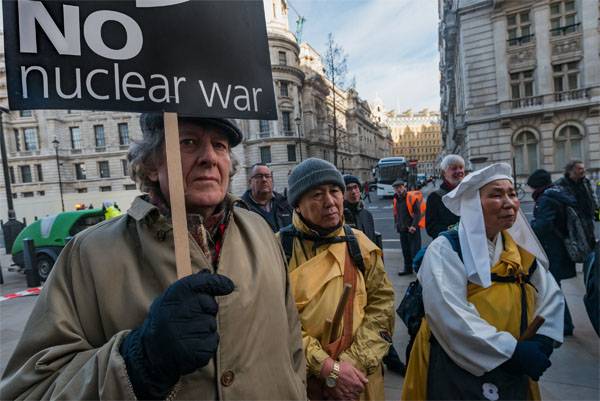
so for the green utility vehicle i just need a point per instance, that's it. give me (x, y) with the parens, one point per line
(50, 234)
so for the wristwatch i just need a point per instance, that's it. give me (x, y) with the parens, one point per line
(331, 380)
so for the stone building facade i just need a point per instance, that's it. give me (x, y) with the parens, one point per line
(417, 136)
(520, 81)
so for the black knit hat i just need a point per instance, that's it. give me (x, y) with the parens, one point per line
(539, 178)
(150, 122)
(352, 179)
(309, 174)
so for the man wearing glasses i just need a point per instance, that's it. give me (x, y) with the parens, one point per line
(261, 199)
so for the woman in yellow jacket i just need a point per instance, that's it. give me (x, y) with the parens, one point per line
(482, 288)
(349, 368)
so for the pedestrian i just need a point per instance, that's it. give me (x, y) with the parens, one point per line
(437, 216)
(406, 225)
(110, 210)
(114, 322)
(550, 225)
(356, 216)
(344, 360)
(367, 191)
(262, 199)
(483, 285)
(575, 182)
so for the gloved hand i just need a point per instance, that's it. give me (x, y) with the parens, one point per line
(178, 336)
(546, 343)
(529, 359)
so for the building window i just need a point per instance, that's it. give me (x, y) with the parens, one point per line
(265, 154)
(75, 137)
(99, 136)
(11, 173)
(282, 58)
(525, 147)
(519, 28)
(125, 166)
(129, 187)
(17, 140)
(291, 149)
(566, 76)
(40, 174)
(123, 134)
(563, 17)
(264, 128)
(27, 194)
(81, 190)
(568, 145)
(103, 169)
(25, 174)
(283, 88)
(80, 171)
(106, 188)
(521, 85)
(31, 139)
(41, 193)
(25, 113)
(287, 122)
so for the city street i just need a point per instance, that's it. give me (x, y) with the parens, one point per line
(574, 374)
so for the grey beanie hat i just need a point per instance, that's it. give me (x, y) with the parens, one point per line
(309, 174)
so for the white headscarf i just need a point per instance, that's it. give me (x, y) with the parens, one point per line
(464, 201)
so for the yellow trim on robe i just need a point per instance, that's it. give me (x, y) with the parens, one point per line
(492, 305)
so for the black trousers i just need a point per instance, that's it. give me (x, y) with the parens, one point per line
(411, 243)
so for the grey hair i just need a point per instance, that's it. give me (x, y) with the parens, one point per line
(450, 160)
(144, 155)
(571, 165)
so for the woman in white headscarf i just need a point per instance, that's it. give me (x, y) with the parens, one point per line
(483, 284)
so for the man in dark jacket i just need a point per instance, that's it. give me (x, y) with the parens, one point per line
(355, 213)
(576, 183)
(407, 226)
(437, 216)
(261, 199)
(550, 226)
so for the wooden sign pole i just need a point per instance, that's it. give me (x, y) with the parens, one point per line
(177, 196)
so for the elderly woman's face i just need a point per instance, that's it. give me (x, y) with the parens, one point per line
(205, 164)
(322, 206)
(500, 206)
(454, 174)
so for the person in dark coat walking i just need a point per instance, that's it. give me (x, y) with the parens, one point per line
(550, 226)
(261, 199)
(576, 183)
(407, 226)
(437, 216)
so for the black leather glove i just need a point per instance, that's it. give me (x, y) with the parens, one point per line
(178, 336)
(529, 359)
(546, 343)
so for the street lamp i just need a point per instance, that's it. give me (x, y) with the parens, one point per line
(55, 142)
(7, 187)
(298, 120)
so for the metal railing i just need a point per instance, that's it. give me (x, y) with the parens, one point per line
(520, 40)
(565, 30)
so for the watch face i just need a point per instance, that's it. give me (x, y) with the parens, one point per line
(330, 382)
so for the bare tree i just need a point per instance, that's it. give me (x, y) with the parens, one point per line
(336, 66)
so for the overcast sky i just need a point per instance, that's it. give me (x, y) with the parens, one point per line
(391, 46)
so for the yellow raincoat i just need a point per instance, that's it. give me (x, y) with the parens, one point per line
(499, 305)
(317, 282)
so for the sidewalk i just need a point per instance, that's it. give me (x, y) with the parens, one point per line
(574, 374)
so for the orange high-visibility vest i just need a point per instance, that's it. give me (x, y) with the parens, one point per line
(411, 198)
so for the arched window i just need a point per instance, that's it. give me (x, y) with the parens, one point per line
(568, 145)
(525, 146)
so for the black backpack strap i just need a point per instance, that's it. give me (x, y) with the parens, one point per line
(286, 236)
(354, 249)
(452, 237)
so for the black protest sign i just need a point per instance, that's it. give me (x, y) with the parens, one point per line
(196, 58)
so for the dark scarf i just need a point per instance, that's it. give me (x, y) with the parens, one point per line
(447, 186)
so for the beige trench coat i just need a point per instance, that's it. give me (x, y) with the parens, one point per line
(102, 286)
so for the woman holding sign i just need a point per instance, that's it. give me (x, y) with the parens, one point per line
(120, 325)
